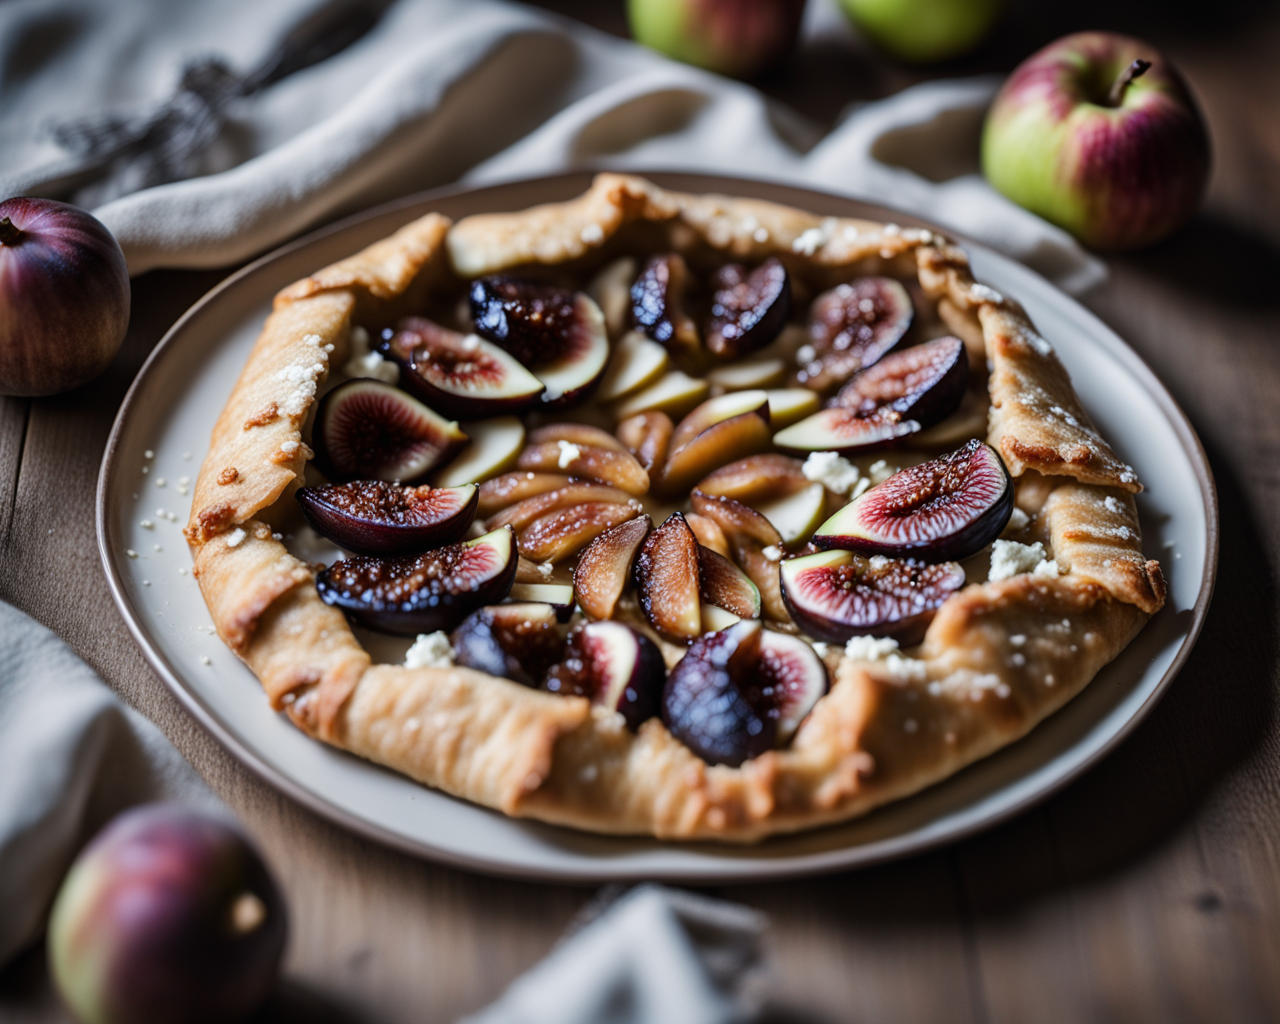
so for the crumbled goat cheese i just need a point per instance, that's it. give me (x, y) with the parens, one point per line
(147, 524)
(592, 234)
(364, 362)
(204, 660)
(878, 562)
(289, 447)
(832, 470)
(884, 650)
(131, 553)
(430, 650)
(1018, 520)
(159, 481)
(773, 553)
(880, 471)
(820, 649)
(809, 242)
(1048, 568)
(806, 354)
(545, 570)
(568, 452)
(984, 294)
(1009, 558)
(235, 538)
(1112, 504)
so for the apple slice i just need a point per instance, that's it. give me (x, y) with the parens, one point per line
(724, 585)
(724, 441)
(674, 393)
(637, 361)
(558, 595)
(750, 373)
(576, 433)
(512, 488)
(494, 447)
(522, 513)
(797, 515)
(791, 405)
(716, 410)
(715, 619)
(618, 468)
(611, 290)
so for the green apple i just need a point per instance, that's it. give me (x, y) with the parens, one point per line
(733, 37)
(924, 31)
(1098, 134)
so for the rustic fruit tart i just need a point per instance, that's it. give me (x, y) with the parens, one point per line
(711, 518)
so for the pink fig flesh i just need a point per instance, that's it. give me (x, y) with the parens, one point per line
(373, 517)
(614, 667)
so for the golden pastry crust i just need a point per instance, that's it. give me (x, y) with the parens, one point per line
(997, 659)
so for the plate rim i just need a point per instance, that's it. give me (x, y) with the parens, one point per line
(761, 870)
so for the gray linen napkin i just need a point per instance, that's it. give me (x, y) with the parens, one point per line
(442, 90)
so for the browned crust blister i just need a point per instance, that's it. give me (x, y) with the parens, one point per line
(997, 659)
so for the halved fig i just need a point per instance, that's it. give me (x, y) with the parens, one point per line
(792, 679)
(842, 431)
(924, 383)
(835, 595)
(748, 308)
(666, 572)
(727, 439)
(458, 374)
(674, 393)
(566, 531)
(506, 490)
(365, 429)
(610, 467)
(414, 594)
(558, 596)
(521, 514)
(758, 478)
(704, 705)
(556, 333)
(791, 405)
(576, 433)
(851, 327)
(970, 419)
(514, 641)
(657, 303)
(602, 572)
(945, 509)
(614, 667)
(373, 517)
(647, 436)
(494, 447)
(747, 374)
(723, 584)
(797, 515)
(636, 362)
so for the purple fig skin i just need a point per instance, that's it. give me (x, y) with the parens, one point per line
(1120, 164)
(594, 651)
(374, 517)
(939, 511)
(924, 383)
(64, 297)
(168, 917)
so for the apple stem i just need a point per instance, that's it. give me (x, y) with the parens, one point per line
(1135, 70)
(9, 232)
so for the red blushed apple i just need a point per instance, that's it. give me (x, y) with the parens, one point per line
(1098, 134)
(733, 37)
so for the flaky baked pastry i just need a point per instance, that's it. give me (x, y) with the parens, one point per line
(996, 659)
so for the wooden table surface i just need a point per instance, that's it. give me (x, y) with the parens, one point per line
(1149, 890)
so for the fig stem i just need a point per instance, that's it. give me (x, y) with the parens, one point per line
(1135, 70)
(10, 233)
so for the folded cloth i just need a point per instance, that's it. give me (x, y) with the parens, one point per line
(655, 956)
(71, 756)
(442, 90)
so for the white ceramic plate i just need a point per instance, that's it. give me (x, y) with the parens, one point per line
(170, 412)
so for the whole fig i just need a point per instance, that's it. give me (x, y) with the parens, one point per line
(64, 297)
(167, 917)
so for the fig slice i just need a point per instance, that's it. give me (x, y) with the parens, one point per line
(792, 679)
(637, 361)
(703, 703)
(365, 429)
(674, 393)
(413, 594)
(851, 327)
(602, 572)
(458, 374)
(756, 479)
(647, 436)
(756, 546)
(727, 439)
(523, 513)
(717, 410)
(373, 517)
(942, 510)
(708, 533)
(748, 308)
(614, 667)
(657, 303)
(666, 573)
(604, 464)
(835, 595)
(494, 447)
(557, 334)
(514, 641)
(843, 431)
(576, 433)
(558, 596)
(924, 383)
(566, 531)
(797, 515)
(511, 488)
(723, 584)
